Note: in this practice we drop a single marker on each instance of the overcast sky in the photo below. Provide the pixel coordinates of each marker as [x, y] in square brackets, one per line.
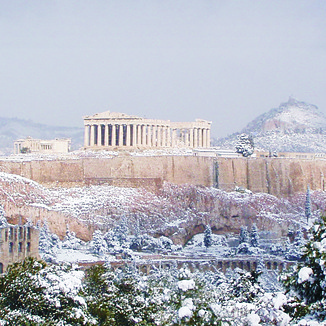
[224, 61]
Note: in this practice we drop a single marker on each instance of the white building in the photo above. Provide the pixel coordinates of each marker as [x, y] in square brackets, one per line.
[31, 145]
[112, 130]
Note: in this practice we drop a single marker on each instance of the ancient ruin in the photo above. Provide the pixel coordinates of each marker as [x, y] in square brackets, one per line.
[31, 145]
[17, 242]
[118, 130]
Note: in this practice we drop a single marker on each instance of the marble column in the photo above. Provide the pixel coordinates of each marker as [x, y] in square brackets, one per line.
[92, 138]
[200, 137]
[168, 137]
[195, 137]
[204, 137]
[144, 135]
[99, 134]
[128, 136]
[106, 135]
[159, 136]
[208, 138]
[114, 135]
[134, 135]
[86, 136]
[174, 134]
[191, 138]
[149, 136]
[139, 140]
[154, 138]
[120, 135]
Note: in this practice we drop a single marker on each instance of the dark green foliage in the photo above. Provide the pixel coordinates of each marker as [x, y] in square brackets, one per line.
[208, 236]
[244, 236]
[308, 204]
[311, 291]
[25, 298]
[254, 236]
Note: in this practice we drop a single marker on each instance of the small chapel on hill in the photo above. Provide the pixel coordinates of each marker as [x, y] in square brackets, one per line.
[112, 130]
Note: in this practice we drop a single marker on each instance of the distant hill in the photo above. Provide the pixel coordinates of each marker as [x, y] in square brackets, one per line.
[12, 129]
[292, 127]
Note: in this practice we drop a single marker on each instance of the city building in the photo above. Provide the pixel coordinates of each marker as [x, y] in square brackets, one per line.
[111, 130]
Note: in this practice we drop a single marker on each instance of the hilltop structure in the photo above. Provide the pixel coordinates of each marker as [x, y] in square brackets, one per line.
[31, 145]
[112, 130]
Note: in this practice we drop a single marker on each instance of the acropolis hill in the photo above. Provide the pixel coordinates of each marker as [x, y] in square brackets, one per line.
[124, 140]
[163, 158]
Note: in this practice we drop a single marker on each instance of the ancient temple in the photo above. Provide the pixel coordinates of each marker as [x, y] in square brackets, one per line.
[117, 130]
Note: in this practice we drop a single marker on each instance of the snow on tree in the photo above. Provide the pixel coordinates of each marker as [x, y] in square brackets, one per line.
[308, 280]
[208, 236]
[121, 231]
[98, 243]
[3, 220]
[245, 145]
[32, 293]
[70, 241]
[307, 205]
[48, 243]
[244, 236]
[254, 236]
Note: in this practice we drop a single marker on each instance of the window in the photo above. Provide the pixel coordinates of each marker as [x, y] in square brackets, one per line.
[20, 247]
[28, 233]
[11, 247]
[28, 247]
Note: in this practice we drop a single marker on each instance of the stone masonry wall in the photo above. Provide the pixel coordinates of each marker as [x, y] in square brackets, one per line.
[276, 176]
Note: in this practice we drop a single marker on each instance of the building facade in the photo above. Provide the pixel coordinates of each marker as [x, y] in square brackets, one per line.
[117, 130]
[31, 145]
[16, 243]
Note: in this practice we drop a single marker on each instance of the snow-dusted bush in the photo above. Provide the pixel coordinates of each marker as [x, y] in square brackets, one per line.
[70, 241]
[32, 293]
[308, 280]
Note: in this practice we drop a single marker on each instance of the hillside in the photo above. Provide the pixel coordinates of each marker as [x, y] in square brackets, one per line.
[177, 212]
[12, 129]
[292, 127]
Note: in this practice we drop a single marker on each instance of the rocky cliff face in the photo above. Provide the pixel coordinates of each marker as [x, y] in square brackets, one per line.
[175, 211]
[294, 126]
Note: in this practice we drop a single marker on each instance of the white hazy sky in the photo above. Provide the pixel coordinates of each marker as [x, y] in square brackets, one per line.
[224, 61]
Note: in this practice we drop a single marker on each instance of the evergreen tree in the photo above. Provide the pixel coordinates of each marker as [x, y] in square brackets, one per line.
[3, 220]
[208, 236]
[309, 277]
[33, 294]
[254, 236]
[99, 245]
[308, 205]
[245, 145]
[244, 236]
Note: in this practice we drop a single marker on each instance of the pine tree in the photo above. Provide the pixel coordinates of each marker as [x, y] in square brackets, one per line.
[309, 277]
[208, 236]
[244, 236]
[308, 205]
[245, 145]
[254, 236]
[99, 245]
[3, 220]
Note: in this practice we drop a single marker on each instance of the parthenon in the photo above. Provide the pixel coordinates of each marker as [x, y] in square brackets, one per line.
[118, 130]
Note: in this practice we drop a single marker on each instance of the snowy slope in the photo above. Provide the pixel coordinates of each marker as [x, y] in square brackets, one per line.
[292, 127]
[175, 211]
